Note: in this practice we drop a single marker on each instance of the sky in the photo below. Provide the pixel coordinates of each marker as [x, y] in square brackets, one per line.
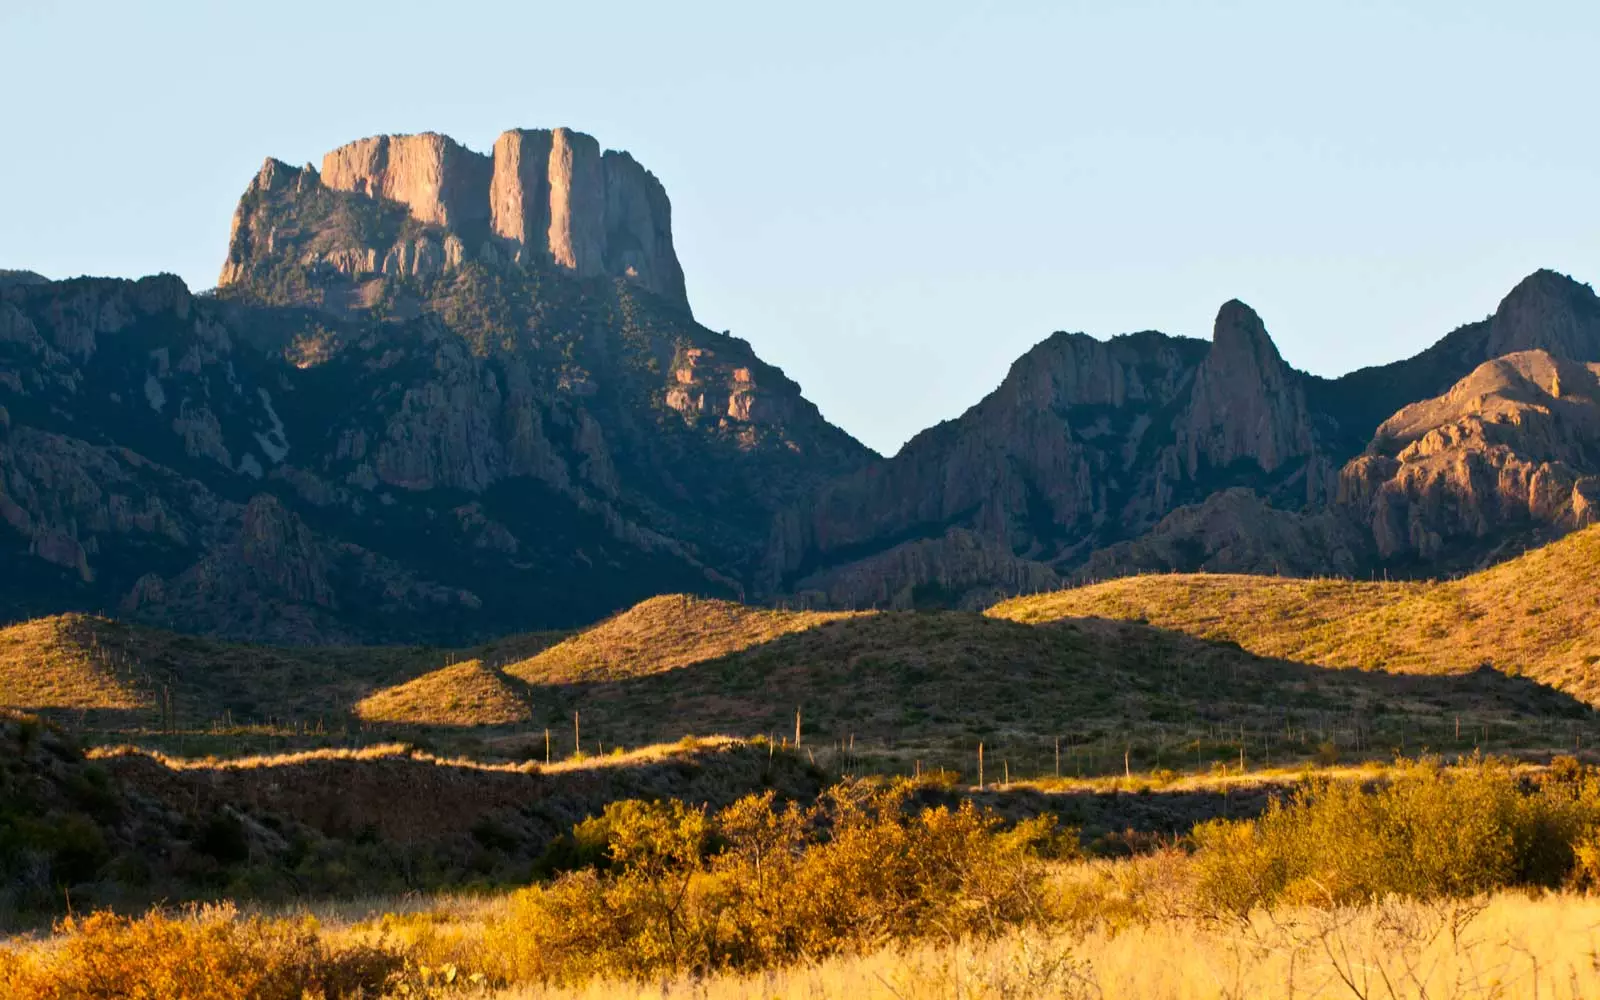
[890, 201]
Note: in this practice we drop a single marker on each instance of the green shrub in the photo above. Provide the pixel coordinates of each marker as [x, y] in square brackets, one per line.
[1428, 831]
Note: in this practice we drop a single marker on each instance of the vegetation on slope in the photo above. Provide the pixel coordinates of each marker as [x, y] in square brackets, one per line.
[1537, 616]
[886, 690]
[114, 675]
[125, 826]
[58, 663]
[463, 694]
[661, 634]
[873, 691]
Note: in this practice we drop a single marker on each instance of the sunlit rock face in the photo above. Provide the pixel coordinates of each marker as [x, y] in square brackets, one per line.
[546, 194]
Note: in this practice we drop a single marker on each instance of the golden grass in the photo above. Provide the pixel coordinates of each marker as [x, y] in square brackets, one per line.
[1537, 616]
[56, 663]
[395, 751]
[139, 677]
[465, 694]
[661, 634]
[1507, 946]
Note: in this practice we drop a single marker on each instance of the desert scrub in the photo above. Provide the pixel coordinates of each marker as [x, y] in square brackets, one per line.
[205, 954]
[1426, 831]
[758, 885]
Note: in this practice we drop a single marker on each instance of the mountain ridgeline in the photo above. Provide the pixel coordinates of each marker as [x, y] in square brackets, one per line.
[1153, 453]
[440, 395]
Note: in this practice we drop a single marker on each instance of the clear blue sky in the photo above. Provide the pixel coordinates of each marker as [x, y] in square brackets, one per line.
[891, 201]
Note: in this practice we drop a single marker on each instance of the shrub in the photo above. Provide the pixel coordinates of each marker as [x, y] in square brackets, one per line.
[758, 885]
[206, 954]
[1429, 831]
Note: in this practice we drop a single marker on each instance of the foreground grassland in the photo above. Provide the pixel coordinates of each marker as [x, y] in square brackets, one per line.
[1463, 881]
[1504, 946]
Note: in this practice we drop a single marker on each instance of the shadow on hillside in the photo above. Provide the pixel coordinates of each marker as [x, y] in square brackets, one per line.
[1112, 822]
[953, 678]
[406, 799]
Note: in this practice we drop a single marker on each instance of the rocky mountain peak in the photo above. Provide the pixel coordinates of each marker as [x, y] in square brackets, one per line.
[1547, 311]
[1247, 403]
[549, 196]
[1239, 338]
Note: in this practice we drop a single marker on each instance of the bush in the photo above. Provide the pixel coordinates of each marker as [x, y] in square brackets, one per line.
[207, 954]
[1429, 831]
[758, 885]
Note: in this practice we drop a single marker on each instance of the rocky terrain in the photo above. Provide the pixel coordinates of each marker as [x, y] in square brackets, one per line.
[1154, 453]
[440, 395]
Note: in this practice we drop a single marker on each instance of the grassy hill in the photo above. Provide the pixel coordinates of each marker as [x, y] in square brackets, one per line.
[114, 675]
[123, 826]
[663, 633]
[1174, 671]
[1537, 616]
[463, 694]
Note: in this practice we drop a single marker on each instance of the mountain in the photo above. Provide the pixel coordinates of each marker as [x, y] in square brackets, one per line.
[438, 395]
[1149, 453]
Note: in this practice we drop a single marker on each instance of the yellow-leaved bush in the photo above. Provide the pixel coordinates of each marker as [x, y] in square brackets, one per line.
[209, 953]
[759, 884]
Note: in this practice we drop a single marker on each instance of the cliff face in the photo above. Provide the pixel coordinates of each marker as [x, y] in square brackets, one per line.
[443, 394]
[439, 395]
[1246, 404]
[546, 197]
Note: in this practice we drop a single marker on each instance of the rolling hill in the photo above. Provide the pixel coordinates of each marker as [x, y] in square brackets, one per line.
[114, 675]
[879, 690]
[1537, 616]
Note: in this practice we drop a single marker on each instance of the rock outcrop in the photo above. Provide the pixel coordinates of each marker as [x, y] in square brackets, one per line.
[1514, 446]
[1235, 531]
[1151, 453]
[542, 197]
[1549, 312]
[442, 394]
[1246, 404]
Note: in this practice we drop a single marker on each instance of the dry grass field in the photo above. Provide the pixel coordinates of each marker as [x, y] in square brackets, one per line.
[1506, 947]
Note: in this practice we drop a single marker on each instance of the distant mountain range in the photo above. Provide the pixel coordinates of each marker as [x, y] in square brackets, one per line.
[441, 395]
